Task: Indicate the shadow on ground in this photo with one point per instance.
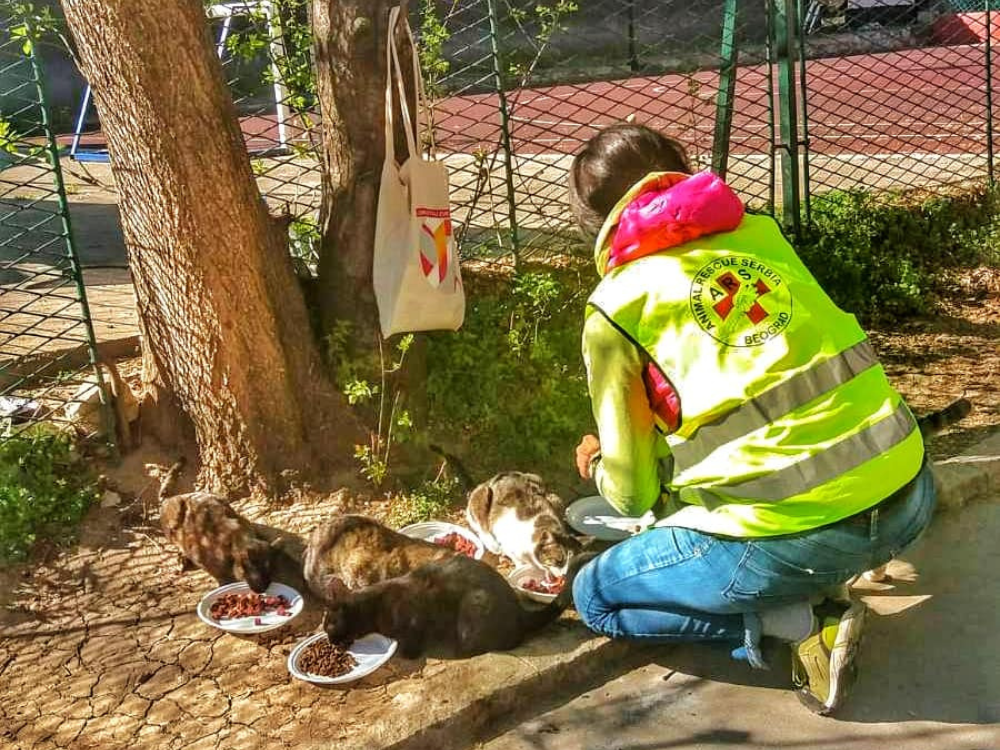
(930, 673)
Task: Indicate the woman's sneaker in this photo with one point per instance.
(824, 665)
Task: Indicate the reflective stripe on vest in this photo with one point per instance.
(809, 473)
(774, 403)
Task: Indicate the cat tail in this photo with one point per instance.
(457, 466)
(535, 619)
(942, 418)
(170, 478)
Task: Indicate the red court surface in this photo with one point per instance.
(930, 100)
(919, 101)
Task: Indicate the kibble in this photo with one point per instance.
(231, 606)
(326, 659)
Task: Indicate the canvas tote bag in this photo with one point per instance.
(416, 274)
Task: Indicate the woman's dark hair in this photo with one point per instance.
(613, 161)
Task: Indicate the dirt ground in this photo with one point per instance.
(953, 353)
(100, 646)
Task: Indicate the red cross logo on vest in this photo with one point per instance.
(740, 300)
(728, 281)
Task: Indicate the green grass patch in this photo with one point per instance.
(509, 390)
(882, 256)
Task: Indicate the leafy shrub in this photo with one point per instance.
(430, 501)
(44, 489)
(509, 389)
(880, 255)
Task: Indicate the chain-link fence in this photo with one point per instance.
(265, 49)
(896, 94)
(787, 98)
(522, 85)
(47, 350)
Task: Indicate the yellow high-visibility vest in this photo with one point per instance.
(788, 421)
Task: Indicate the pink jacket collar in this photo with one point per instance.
(664, 210)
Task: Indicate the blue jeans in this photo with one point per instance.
(673, 584)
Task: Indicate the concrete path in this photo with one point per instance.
(930, 673)
(43, 321)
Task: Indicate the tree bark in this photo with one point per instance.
(349, 51)
(224, 324)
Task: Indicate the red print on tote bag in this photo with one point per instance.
(437, 245)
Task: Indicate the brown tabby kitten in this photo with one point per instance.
(355, 551)
(458, 603)
(515, 515)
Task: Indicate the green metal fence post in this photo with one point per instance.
(771, 129)
(726, 94)
(804, 142)
(633, 52)
(786, 32)
(75, 269)
(989, 91)
(505, 140)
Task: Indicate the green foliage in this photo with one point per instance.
(431, 500)
(545, 19)
(509, 388)
(381, 402)
(340, 353)
(34, 24)
(303, 240)
(13, 145)
(252, 42)
(8, 137)
(880, 255)
(537, 24)
(44, 490)
(551, 16)
(433, 35)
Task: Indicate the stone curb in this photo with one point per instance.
(453, 707)
(457, 701)
(969, 476)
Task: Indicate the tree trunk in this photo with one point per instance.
(224, 324)
(349, 50)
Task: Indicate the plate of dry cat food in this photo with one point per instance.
(447, 534)
(536, 584)
(318, 661)
(594, 516)
(236, 609)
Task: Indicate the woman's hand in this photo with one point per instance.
(589, 447)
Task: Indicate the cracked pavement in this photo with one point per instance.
(100, 647)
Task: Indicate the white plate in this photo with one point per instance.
(246, 625)
(524, 572)
(431, 530)
(594, 516)
(370, 653)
